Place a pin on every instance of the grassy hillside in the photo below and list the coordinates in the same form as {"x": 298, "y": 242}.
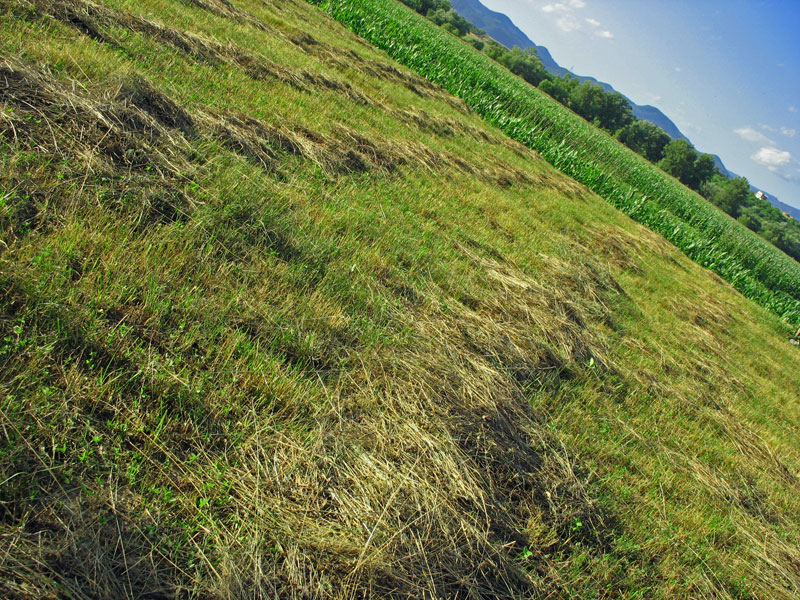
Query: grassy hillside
{"x": 281, "y": 319}
{"x": 752, "y": 265}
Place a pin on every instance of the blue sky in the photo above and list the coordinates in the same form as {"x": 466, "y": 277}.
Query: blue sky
{"x": 726, "y": 72}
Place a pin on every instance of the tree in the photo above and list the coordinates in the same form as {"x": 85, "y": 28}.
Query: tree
{"x": 645, "y": 138}
{"x": 678, "y": 161}
{"x": 586, "y": 99}
{"x": 750, "y": 220}
{"x": 616, "y": 112}
{"x": 684, "y": 163}
{"x": 609, "y": 110}
{"x": 444, "y": 16}
{"x": 730, "y": 195}
{"x": 424, "y": 6}
{"x": 524, "y": 63}
{"x": 774, "y": 232}
{"x": 704, "y": 169}
{"x": 558, "y": 88}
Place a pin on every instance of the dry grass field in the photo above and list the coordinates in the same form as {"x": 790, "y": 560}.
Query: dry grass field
{"x": 281, "y": 319}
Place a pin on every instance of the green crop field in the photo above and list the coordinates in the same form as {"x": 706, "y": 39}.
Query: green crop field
{"x": 629, "y": 182}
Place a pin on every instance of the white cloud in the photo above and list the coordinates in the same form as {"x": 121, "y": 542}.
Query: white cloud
{"x": 791, "y": 177}
{"x": 568, "y": 23}
{"x": 772, "y": 158}
{"x": 678, "y": 69}
{"x": 605, "y": 34}
{"x": 651, "y": 97}
{"x": 779, "y": 162}
{"x": 793, "y": 109}
{"x": 768, "y": 128}
{"x": 561, "y": 7}
{"x": 751, "y": 135}
{"x": 788, "y": 132}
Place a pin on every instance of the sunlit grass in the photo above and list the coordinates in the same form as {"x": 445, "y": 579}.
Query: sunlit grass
{"x": 241, "y": 362}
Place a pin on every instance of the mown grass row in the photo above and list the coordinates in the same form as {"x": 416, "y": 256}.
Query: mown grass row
{"x": 754, "y": 267}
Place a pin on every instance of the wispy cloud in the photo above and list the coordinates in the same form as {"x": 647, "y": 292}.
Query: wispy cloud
{"x": 563, "y": 6}
{"x": 751, "y": 135}
{"x": 568, "y": 23}
{"x": 567, "y": 20}
{"x": 772, "y": 158}
{"x": 678, "y": 69}
{"x": 779, "y": 162}
{"x": 791, "y": 177}
{"x": 793, "y": 109}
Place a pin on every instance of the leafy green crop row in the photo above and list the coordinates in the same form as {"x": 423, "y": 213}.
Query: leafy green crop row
{"x": 708, "y": 236}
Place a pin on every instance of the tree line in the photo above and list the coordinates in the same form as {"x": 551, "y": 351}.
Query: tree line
{"x": 612, "y": 112}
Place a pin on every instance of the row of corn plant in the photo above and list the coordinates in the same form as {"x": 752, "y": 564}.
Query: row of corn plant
{"x": 708, "y": 236}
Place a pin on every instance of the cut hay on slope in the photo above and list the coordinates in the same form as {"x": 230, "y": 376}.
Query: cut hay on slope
{"x": 252, "y": 346}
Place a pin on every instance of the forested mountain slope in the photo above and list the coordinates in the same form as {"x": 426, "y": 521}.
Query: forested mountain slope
{"x": 281, "y": 319}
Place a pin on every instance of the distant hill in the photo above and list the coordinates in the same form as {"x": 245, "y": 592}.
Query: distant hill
{"x": 789, "y": 210}
{"x": 496, "y": 24}
{"x": 654, "y": 115}
{"x": 502, "y": 29}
